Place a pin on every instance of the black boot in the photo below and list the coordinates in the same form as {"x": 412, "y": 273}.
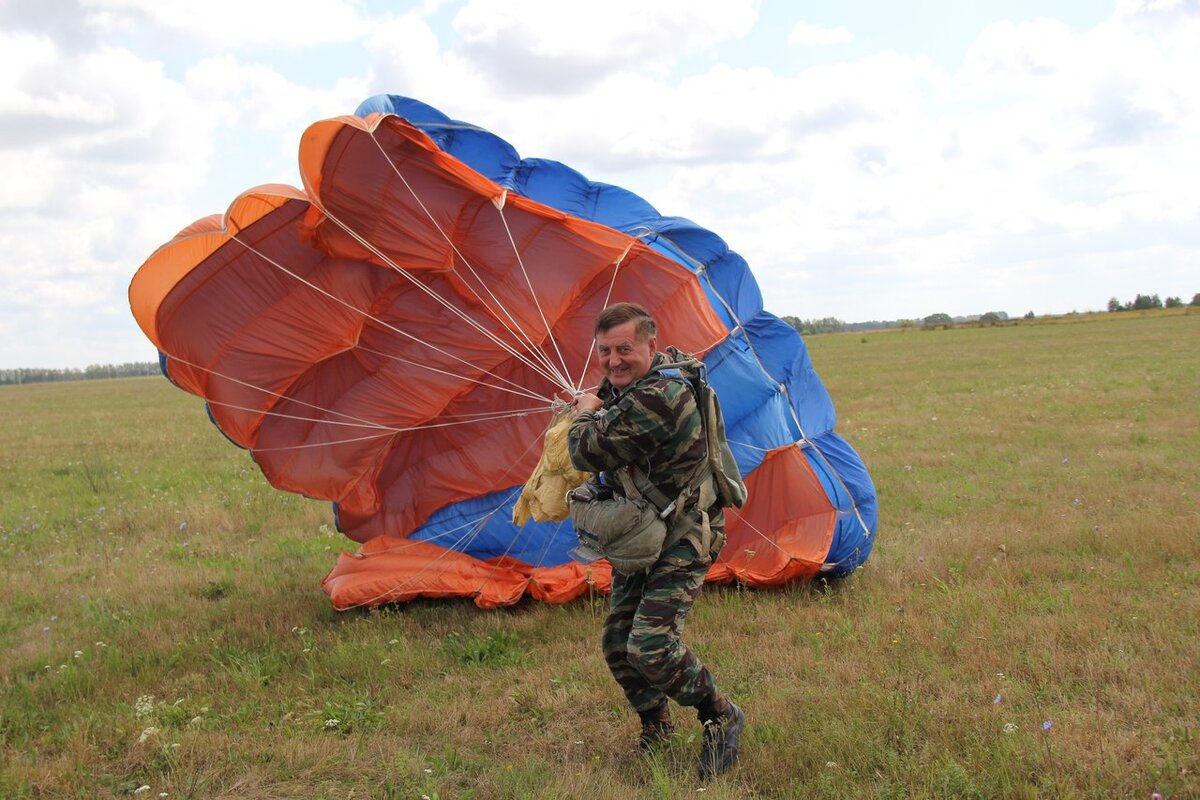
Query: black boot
{"x": 721, "y": 736}
{"x": 656, "y": 728}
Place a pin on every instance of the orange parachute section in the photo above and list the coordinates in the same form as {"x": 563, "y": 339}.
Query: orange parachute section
{"x": 392, "y": 337}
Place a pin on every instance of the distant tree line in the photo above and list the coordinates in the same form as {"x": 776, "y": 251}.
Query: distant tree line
{"x": 944, "y": 320}
{"x": 940, "y": 320}
{"x": 1144, "y": 301}
{"x": 41, "y": 375}
{"x": 811, "y": 326}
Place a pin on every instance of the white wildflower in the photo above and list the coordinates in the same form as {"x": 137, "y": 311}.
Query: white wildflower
{"x": 144, "y": 705}
{"x": 332, "y": 723}
{"x": 1010, "y": 728}
{"x": 145, "y": 787}
{"x": 146, "y": 734}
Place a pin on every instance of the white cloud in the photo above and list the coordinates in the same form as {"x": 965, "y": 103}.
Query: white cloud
{"x": 103, "y": 156}
{"x": 532, "y": 46}
{"x": 808, "y": 34}
{"x": 236, "y": 23}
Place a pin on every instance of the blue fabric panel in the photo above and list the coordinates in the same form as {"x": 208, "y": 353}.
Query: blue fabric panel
{"x": 851, "y": 543}
{"x": 726, "y": 269}
{"x": 556, "y": 185}
{"x": 755, "y": 408}
{"x": 481, "y": 150}
{"x": 482, "y": 527}
{"x": 846, "y": 523}
{"x": 785, "y": 357}
{"x": 414, "y": 111}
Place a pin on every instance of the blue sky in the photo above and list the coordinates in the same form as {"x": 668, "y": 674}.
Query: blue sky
{"x": 871, "y": 160}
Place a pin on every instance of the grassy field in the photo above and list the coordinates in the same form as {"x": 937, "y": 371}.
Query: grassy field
{"x": 1026, "y": 627}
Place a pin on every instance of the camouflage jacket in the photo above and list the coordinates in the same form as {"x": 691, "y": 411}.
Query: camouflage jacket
{"x": 655, "y": 424}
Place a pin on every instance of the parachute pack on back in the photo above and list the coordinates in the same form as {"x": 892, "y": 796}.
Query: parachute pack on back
{"x": 727, "y": 479}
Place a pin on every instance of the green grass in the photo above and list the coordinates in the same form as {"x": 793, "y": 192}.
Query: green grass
{"x": 163, "y": 623}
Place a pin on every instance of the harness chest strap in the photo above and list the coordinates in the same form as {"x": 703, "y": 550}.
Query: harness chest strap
{"x": 680, "y": 525}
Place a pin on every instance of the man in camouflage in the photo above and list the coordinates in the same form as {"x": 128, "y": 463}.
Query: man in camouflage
{"x": 643, "y": 418}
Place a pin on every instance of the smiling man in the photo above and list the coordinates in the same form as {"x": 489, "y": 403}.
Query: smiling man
{"x": 644, "y": 421}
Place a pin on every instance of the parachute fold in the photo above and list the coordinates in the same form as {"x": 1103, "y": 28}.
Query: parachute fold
{"x": 392, "y": 338}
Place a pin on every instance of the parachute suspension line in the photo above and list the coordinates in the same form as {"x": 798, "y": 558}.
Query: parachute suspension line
{"x": 523, "y": 392}
{"x": 496, "y": 565}
{"x": 380, "y": 322}
{"x": 761, "y": 535}
{"x": 549, "y": 540}
{"x": 508, "y": 348}
{"x": 565, "y": 381}
{"x": 395, "y": 431}
{"x": 442, "y": 539}
{"x": 548, "y": 370}
{"x": 364, "y": 423}
{"x": 516, "y": 462}
{"x": 383, "y": 429}
{"x": 607, "y": 296}
{"x": 515, "y": 329}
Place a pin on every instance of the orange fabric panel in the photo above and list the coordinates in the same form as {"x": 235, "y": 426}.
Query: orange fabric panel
{"x": 564, "y": 583}
{"x": 397, "y": 570}
{"x": 168, "y": 265}
{"x": 389, "y": 569}
{"x": 786, "y": 528}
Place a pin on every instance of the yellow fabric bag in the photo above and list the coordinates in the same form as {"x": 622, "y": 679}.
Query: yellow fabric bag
{"x": 544, "y": 498}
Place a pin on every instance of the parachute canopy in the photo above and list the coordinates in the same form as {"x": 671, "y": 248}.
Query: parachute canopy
{"x": 392, "y": 338}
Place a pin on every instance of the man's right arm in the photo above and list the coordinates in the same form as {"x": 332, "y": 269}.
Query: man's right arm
{"x": 642, "y": 423}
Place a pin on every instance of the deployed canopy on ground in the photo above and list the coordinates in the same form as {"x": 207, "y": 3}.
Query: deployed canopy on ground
{"x": 392, "y": 336}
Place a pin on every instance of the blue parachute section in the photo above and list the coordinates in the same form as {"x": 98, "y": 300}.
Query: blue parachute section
{"x": 771, "y": 396}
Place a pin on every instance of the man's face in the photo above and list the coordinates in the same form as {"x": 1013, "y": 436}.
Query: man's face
{"x": 623, "y": 356}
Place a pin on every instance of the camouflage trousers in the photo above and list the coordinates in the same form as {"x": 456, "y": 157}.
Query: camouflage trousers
{"x": 642, "y": 643}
